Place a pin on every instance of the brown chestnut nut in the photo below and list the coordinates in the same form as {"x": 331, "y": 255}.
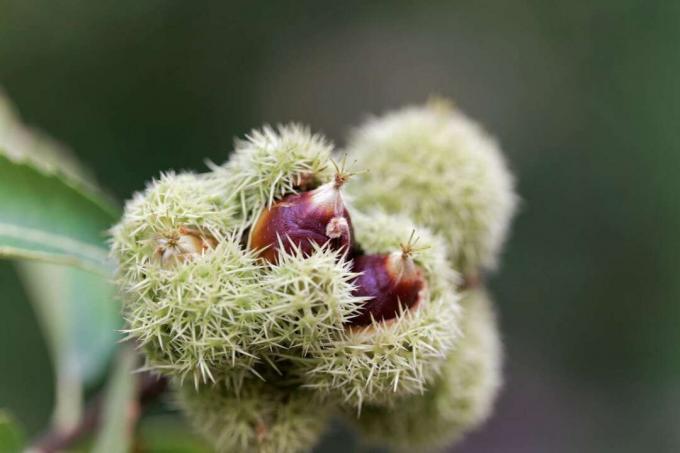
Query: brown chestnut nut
{"x": 182, "y": 245}
{"x": 391, "y": 283}
{"x": 303, "y": 220}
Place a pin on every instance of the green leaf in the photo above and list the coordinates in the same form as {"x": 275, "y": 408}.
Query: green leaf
{"x": 11, "y": 437}
{"x": 118, "y": 420}
{"x": 51, "y": 209}
{"x": 43, "y": 217}
{"x": 52, "y": 212}
{"x": 79, "y": 317}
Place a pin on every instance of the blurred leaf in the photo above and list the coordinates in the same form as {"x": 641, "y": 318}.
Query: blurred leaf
{"x": 11, "y": 437}
{"x": 51, "y": 210}
{"x": 79, "y": 318}
{"x": 44, "y": 218}
{"x": 25, "y": 144}
{"x": 118, "y": 419}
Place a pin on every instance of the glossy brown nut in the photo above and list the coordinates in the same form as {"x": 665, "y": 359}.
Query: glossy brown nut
{"x": 318, "y": 217}
{"x": 390, "y": 282}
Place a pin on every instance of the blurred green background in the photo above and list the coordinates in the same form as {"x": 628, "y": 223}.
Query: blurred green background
{"x": 583, "y": 96}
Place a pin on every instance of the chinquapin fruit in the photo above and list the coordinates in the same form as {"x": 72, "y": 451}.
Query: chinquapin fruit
{"x": 391, "y": 283}
{"x": 303, "y": 220}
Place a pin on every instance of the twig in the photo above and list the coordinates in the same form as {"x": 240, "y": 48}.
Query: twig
{"x": 149, "y": 388}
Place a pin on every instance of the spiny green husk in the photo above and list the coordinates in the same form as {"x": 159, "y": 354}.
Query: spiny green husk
{"x": 196, "y": 320}
{"x": 167, "y": 204}
{"x": 265, "y": 347}
{"x": 387, "y": 360}
{"x": 190, "y": 315}
{"x": 261, "y": 418}
{"x": 437, "y": 166}
{"x": 213, "y": 314}
{"x": 459, "y": 400}
{"x": 306, "y": 300}
{"x": 271, "y": 163}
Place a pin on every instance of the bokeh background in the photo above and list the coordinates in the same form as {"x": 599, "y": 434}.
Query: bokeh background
{"x": 583, "y": 96}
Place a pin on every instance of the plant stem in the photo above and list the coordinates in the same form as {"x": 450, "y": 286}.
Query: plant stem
{"x": 149, "y": 388}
